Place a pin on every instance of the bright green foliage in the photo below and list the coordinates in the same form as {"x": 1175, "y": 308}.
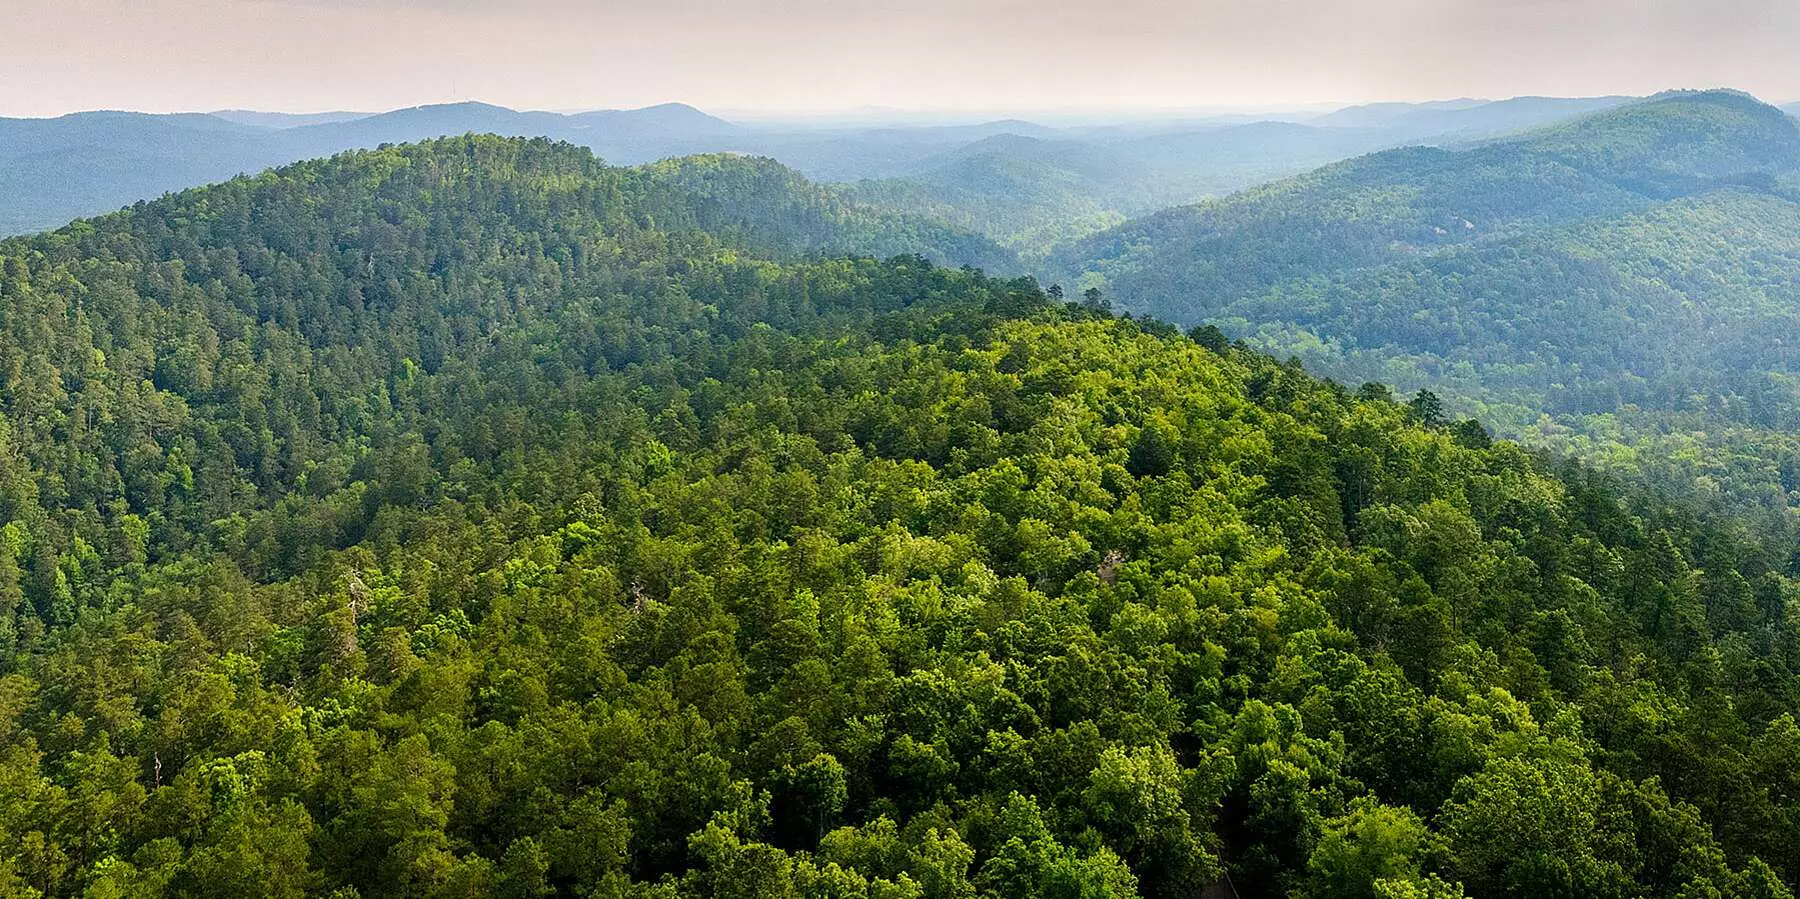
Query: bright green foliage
{"x": 1371, "y": 845}
{"x": 467, "y": 519}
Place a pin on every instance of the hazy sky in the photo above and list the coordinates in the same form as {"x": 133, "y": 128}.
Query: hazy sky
{"x": 817, "y": 55}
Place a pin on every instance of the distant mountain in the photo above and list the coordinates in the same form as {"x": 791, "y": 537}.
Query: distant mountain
{"x": 285, "y": 119}
{"x": 855, "y": 154}
{"x": 1211, "y": 161}
{"x": 52, "y": 170}
{"x": 1026, "y": 192}
{"x": 667, "y": 119}
{"x": 1603, "y": 283}
{"x": 1399, "y": 203}
{"x": 1678, "y": 142}
{"x": 1033, "y": 193}
{"x": 1451, "y": 121}
{"x": 989, "y": 176}
{"x": 1443, "y": 124}
{"x": 420, "y": 123}
{"x": 1376, "y": 115}
{"x": 1032, "y": 196}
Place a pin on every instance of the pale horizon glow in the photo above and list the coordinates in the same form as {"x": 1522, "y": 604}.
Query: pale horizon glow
{"x": 768, "y": 58}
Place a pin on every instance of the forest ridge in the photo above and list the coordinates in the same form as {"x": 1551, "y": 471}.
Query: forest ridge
{"x": 474, "y": 518}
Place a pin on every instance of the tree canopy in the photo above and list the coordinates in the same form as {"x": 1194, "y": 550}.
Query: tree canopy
{"x": 472, "y": 518}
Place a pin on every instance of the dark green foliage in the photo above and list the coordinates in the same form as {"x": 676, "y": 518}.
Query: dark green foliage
{"x": 1152, "y": 455}
{"x": 469, "y": 519}
{"x": 1208, "y": 336}
{"x": 1426, "y": 408}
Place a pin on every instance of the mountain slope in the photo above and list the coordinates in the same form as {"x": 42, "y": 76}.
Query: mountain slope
{"x": 1028, "y": 192}
{"x": 1629, "y": 275}
{"x": 668, "y": 120}
{"x": 1033, "y": 194}
{"x": 1676, "y": 143}
{"x": 1397, "y": 204}
{"x": 466, "y": 519}
{"x": 778, "y": 211}
{"x": 1374, "y": 209}
{"x": 52, "y": 170}
{"x": 1687, "y": 299}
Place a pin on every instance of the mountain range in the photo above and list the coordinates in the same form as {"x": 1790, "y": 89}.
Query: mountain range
{"x": 53, "y": 170}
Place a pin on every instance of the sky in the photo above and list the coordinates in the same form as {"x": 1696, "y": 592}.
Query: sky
{"x": 816, "y": 56}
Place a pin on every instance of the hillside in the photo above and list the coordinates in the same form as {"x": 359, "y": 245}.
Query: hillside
{"x": 1040, "y": 192}
{"x": 774, "y": 211}
{"x": 466, "y": 519}
{"x": 1035, "y": 193}
{"x": 1027, "y": 192}
{"x": 1628, "y": 274}
{"x": 1400, "y": 203}
{"x": 1676, "y": 143}
{"x": 53, "y": 170}
{"x": 1182, "y": 263}
{"x": 1667, "y": 309}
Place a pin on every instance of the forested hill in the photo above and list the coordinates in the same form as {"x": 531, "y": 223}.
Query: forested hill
{"x": 1623, "y": 285}
{"x": 467, "y": 520}
{"x": 1401, "y": 204}
{"x": 771, "y": 209}
{"x": 1678, "y": 142}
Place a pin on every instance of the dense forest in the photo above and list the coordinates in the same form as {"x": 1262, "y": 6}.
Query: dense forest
{"x": 472, "y": 518}
{"x": 1624, "y": 286}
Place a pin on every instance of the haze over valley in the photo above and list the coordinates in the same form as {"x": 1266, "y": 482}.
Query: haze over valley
{"x": 1017, "y": 181}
